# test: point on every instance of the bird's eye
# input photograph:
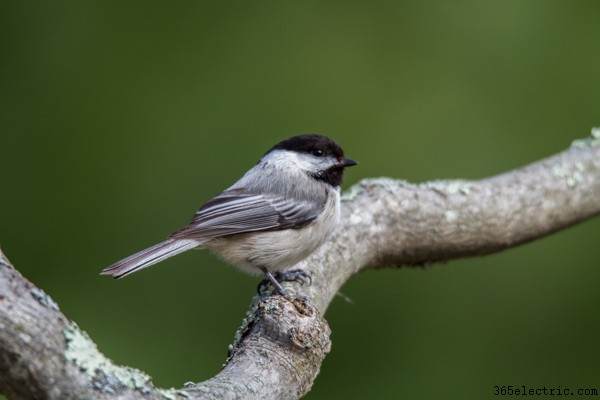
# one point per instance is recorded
(317, 152)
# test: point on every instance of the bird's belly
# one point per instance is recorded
(278, 249)
(274, 250)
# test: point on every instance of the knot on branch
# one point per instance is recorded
(283, 338)
(284, 324)
(293, 323)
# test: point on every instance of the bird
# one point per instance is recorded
(280, 211)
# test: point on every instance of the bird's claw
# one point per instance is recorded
(295, 275)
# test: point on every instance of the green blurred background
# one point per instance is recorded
(119, 118)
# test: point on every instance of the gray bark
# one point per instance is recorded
(282, 341)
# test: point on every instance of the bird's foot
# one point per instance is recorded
(295, 275)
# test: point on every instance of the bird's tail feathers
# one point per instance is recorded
(149, 256)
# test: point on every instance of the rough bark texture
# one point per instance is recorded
(385, 222)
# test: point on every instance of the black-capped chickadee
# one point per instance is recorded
(276, 215)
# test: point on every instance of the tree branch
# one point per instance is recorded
(384, 223)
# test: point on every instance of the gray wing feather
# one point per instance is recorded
(239, 211)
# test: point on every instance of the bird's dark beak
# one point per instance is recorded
(346, 162)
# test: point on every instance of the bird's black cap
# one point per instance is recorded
(311, 144)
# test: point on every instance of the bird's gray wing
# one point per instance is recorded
(240, 210)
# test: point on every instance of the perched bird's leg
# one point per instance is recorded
(273, 281)
(294, 275)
